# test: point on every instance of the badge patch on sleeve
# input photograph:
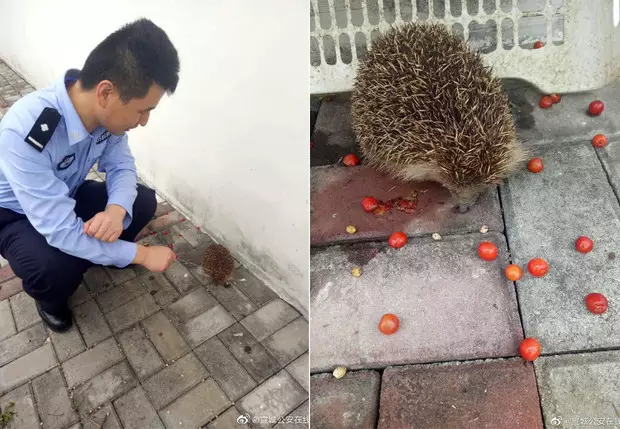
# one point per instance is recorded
(103, 137)
(66, 162)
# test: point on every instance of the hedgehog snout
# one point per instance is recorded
(466, 198)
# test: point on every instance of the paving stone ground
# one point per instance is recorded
(153, 351)
(454, 362)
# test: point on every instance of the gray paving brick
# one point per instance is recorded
(136, 412)
(120, 275)
(234, 301)
(249, 352)
(206, 325)
(25, 416)
(289, 342)
(299, 418)
(162, 208)
(234, 380)
(192, 305)
(27, 367)
(130, 313)
(269, 319)
(299, 369)
(196, 407)
(276, 397)
(252, 287)
(181, 277)
(91, 323)
(226, 420)
(67, 344)
(119, 295)
(97, 280)
(24, 311)
(174, 380)
(81, 295)
(53, 400)
(84, 366)
(104, 387)
(105, 418)
(7, 325)
(165, 337)
(22, 343)
(165, 221)
(194, 237)
(179, 244)
(140, 352)
(160, 288)
(193, 262)
(9, 287)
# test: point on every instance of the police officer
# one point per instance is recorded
(54, 224)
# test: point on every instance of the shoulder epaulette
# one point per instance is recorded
(41, 133)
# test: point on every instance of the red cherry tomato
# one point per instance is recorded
(538, 267)
(599, 140)
(369, 204)
(596, 107)
(545, 102)
(538, 44)
(389, 324)
(513, 272)
(529, 349)
(555, 98)
(351, 160)
(397, 240)
(584, 244)
(535, 165)
(487, 251)
(596, 303)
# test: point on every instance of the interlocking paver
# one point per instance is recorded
(97, 280)
(92, 325)
(120, 275)
(165, 337)
(269, 319)
(80, 296)
(136, 412)
(140, 352)
(299, 369)
(160, 288)
(27, 367)
(171, 238)
(579, 386)
(351, 402)
(119, 295)
(10, 288)
(7, 324)
(165, 221)
(104, 387)
(192, 305)
(162, 208)
(476, 316)
(181, 277)
(194, 237)
(84, 366)
(252, 287)
(22, 343)
(24, 310)
(128, 314)
(333, 136)
(174, 380)
(234, 380)
(234, 301)
(249, 352)
(53, 400)
(276, 397)
(552, 307)
(289, 342)
(25, 416)
(226, 420)
(337, 192)
(102, 419)
(206, 325)
(67, 344)
(300, 417)
(195, 408)
(6, 273)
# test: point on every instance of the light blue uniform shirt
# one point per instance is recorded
(42, 185)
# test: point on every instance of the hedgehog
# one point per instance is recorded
(425, 107)
(219, 264)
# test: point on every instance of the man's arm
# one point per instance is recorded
(121, 177)
(45, 200)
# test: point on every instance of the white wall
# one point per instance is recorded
(230, 147)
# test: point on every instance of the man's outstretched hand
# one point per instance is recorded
(106, 225)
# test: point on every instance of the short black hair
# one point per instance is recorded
(133, 58)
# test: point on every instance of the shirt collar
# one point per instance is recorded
(75, 128)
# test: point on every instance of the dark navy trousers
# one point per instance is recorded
(49, 275)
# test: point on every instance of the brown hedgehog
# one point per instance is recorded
(425, 107)
(218, 263)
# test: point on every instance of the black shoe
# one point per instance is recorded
(57, 322)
